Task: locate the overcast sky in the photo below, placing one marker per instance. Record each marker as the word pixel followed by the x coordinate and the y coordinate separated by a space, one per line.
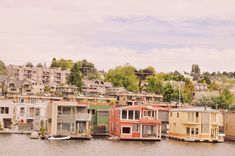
pixel 167 34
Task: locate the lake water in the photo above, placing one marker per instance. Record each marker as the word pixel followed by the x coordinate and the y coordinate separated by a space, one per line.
pixel 21 145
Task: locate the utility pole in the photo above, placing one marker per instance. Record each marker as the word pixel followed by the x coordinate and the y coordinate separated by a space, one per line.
pixel 179 93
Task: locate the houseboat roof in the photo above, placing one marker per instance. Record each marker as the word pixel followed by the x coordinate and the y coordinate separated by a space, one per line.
pixel 195 109
pixel 139 107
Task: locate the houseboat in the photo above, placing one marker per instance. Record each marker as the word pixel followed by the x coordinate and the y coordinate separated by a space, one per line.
pixel 229 125
pixel 137 122
pixel 196 124
pixel 67 118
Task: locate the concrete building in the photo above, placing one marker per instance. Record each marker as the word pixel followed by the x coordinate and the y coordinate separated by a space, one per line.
pixel 49 76
pixel 70 119
pixel 196 124
pixel 135 123
pixel 138 99
pixel 6 114
pixel 95 87
pixel 229 125
pixel 30 116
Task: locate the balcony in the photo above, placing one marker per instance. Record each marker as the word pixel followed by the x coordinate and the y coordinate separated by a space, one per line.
pixel 83 116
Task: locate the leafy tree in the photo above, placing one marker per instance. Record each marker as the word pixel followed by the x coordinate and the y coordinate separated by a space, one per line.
pixel 88 70
pixel 142 74
pixel 39 65
pixel 187 93
pixel 195 72
pixel 224 100
pixel 123 76
pixel 154 85
pixel 168 93
pixel 29 64
pixel 75 75
pixel 2 68
pixel 62 63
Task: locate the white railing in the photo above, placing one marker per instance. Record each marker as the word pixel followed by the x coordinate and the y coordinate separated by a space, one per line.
pixel 83 116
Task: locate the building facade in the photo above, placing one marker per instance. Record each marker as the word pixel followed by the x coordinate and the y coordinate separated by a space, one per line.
pixel 196 124
pixel 69 118
pixel 229 125
pixel 135 123
pixel 48 76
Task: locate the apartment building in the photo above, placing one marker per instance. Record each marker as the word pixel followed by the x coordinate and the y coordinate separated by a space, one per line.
pixel 229 125
pixel 95 87
pixel 196 124
pixel 46 75
pixel 138 99
pixel 70 119
pixel 135 123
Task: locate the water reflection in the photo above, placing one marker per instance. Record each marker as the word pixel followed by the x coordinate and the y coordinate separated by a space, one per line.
pixel 21 145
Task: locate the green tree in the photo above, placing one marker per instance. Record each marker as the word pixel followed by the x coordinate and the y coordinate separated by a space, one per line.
pixel 62 63
pixel 29 64
pixel 154 85
pixel 187 94
pixel 224 100
pixel 39 65
pixel 123 76
pixel 2 68
pixel 142 74
pixel 88 70
pixel 75 76
pixel 168 93
pixel 195 72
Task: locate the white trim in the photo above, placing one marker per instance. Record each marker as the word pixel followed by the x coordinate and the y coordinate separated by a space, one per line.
pixel 127 133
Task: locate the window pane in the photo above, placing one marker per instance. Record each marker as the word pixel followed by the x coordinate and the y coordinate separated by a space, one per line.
pixel 130 115
pixel 137 115
pixel 135 128
pixel 126 130
pixel 124 114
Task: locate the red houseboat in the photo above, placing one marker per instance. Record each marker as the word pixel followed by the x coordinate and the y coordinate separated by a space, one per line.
pixel 139 122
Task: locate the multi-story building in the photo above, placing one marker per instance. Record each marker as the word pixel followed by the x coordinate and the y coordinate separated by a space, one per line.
pixel 139 122
pixel 138 99
pixel 229 125
pixel 69 118
pixel 26 86
pixel 6 114
pixel 95 87
pixel 30 116
pixel 196 124
pixel 46 75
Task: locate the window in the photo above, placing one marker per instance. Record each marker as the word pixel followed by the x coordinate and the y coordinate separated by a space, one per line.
pixel 135 128
pixel 6 110
pixel 37 112
pixel 192 131
pixel 137 115
pixel 130 114
pixel 22 111
pixel 196 131
pixel 21 100
pixel 124 114
pixel 197 114
pixel 126 130
pixel 188 130
pixel 178 114
pixel 2 110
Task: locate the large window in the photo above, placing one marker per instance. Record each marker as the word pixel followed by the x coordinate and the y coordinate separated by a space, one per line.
pixel 137 115
pixel 4 110
pixel 124 114
pixel 130 114
pixel 135 128
pixel 126 130
pixel 65 110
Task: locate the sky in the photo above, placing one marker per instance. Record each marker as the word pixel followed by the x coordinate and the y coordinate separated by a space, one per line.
pixel 166 34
